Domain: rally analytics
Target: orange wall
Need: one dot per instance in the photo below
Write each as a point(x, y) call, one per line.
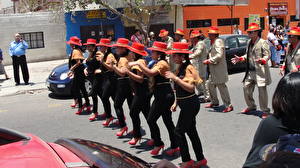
point(219, 12)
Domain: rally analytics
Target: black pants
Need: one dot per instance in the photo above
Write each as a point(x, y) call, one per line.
point(20, 61)
point(78, 88)
point(96, 92)
point(123, 92)
point(187, 124)
point(164, 98)
point(109, 90)
point(139, 103)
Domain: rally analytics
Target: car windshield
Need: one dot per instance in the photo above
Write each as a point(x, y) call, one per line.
point(100, 155)
point(8, 136)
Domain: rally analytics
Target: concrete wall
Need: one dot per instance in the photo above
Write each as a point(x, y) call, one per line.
point(51, 25)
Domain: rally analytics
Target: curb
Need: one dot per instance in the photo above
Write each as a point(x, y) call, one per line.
point(30, 91)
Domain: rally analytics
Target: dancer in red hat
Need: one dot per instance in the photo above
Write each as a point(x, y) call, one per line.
point(164, 98)
point(109, 84)
point(93, 72)
point(186, 79)
point(77, 71)
point(140, 87)
point(123, 87)
point(178, 37)
point(218, 74)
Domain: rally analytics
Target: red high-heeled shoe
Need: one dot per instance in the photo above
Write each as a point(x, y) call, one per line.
point(107, 122)
point(80, 110)
point(189, 164)
point(150, 142)
point(171, 152)
point(200, 163)
point(88, 108)
point(156, 150)
point(74, 105)
point(122, 131)
point(118, 122)
point(102, 115)
point(93, 117)
point(133, 141)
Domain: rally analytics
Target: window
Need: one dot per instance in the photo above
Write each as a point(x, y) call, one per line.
point(198, 23)
point(231, 43)
point(294, 19)
point(243, 40)
point(262, 23)
point(228, 22)
point(34, 39)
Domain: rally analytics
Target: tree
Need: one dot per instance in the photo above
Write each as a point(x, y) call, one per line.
point(139, 9)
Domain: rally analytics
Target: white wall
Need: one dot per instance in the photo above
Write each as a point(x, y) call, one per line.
point(53, 28)
point(5, 3)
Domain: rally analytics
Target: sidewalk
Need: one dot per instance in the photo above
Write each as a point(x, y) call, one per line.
point(38, 72)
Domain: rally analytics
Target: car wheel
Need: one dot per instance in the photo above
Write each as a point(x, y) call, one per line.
point(88, 86)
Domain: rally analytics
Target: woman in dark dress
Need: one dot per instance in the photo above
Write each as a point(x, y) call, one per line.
point(186, 78)
point(163, 99)
point(77, 71)
point(109, 83)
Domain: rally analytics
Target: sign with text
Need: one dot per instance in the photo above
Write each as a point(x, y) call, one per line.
point(96, 14)
point(276, 9)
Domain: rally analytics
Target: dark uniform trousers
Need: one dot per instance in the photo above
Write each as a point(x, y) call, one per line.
point(17, 62)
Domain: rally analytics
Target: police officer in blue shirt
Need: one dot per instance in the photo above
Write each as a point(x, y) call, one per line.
point(17, 50)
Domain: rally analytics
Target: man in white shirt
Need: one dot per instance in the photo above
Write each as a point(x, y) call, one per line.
point(273, 42)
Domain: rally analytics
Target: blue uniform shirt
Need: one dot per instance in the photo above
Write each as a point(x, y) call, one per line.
point(17, 48)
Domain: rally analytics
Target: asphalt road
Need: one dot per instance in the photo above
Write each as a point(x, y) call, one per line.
point(226, 138)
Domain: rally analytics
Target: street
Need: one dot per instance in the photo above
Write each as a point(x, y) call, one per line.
point(226, 138)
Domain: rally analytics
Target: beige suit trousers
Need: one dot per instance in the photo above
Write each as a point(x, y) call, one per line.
point(248, 87)
point(223, 92)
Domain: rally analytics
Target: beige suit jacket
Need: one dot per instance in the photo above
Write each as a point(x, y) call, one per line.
point(218, 66)
point(294, 57)
point(260, 49)
point(198, 56)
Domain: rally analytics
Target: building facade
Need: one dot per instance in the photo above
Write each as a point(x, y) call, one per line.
point(277, 12)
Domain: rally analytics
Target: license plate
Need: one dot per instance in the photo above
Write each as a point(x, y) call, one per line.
point(61, 86)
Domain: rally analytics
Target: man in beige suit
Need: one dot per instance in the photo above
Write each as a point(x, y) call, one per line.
point(292, 59)
point(164, 35)
point(197, 57)
point(257, 70)
point(218, 71)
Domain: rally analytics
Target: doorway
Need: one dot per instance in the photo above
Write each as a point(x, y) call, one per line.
point(96, 32)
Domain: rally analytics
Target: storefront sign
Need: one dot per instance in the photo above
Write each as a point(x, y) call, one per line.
point(96, 14)
point(254, 18)
point(276, 9)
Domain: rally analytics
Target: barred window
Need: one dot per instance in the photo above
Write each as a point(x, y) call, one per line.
point(34, 39)
point(293, 18)
point(228, 22)
point(198, 23)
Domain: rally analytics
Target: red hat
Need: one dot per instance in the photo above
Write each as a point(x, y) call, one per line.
point(138, 48)
point(159, 46)
point(74, 40)
point(121, 42)
point(213, 30)
point(179, 32)
point(179, 47)
point(104, 42)
point(163, 33)
point(253, 27)
point(90, 42)
point(294, 31)
point(195, 33)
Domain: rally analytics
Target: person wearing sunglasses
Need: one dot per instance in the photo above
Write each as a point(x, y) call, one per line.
point(292, 59)
point(257, 70)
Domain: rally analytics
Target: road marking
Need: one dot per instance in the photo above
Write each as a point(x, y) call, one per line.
point(2, 111)
point(54, 105)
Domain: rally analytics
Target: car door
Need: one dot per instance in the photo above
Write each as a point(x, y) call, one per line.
point(231, 46)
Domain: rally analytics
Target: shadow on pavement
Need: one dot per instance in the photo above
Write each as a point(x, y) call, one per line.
point(257, 113)
point(58, 97)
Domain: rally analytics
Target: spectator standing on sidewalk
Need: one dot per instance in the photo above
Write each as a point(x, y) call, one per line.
point(273, 43)
point(236, 30)
point(17, 51)
point(2, 70)
point(257, 70)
